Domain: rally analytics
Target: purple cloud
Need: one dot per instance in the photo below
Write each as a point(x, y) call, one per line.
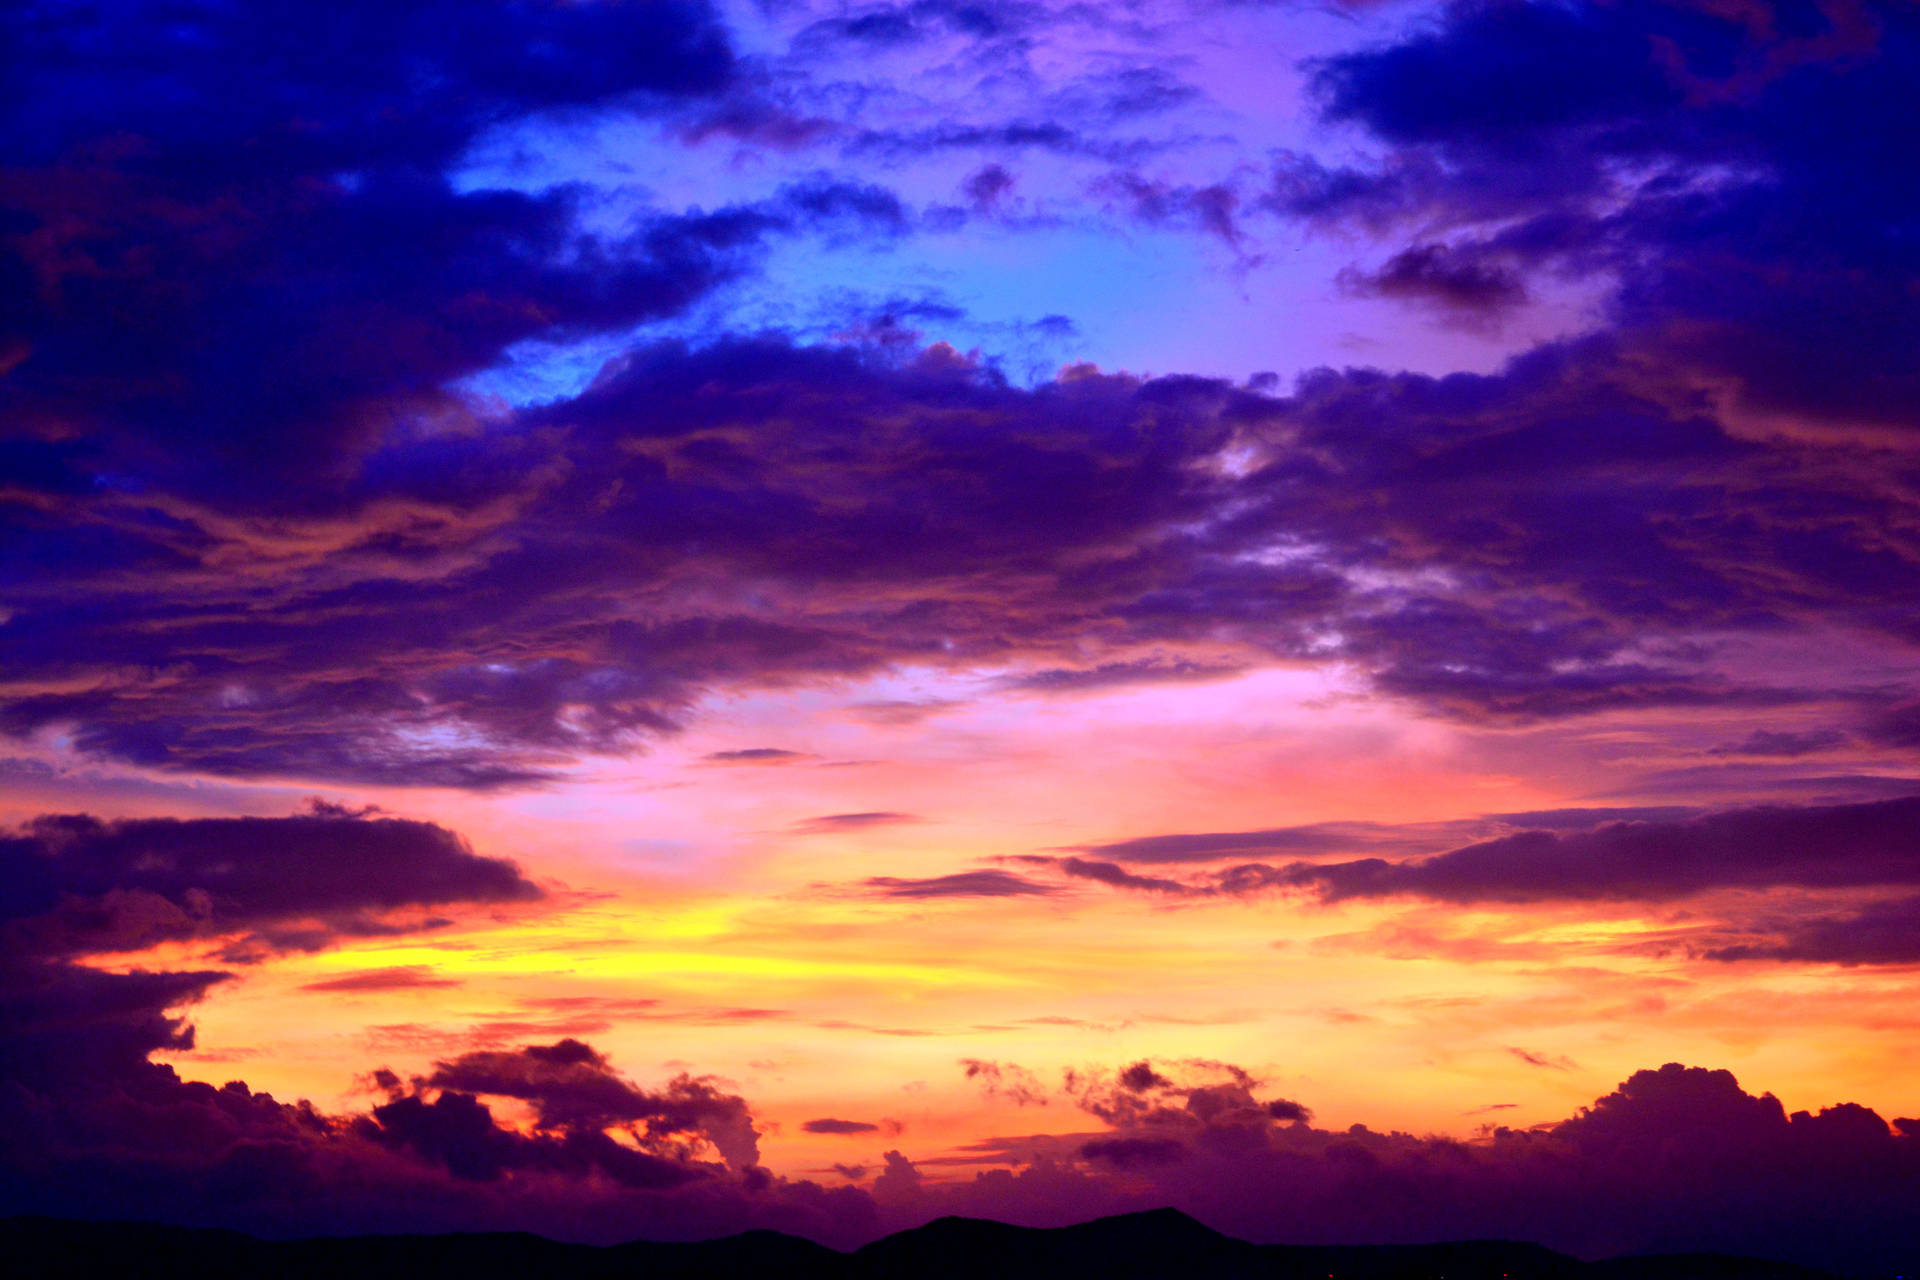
point(961, 884)
point(81, 884)
point(833, 1126)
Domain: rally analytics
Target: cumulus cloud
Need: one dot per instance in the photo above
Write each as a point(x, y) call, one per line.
point(1675, 1159)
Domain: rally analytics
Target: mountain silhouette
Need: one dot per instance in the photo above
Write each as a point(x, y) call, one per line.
point(1160, 1244)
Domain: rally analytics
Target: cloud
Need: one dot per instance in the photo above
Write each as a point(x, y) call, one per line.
point(1463, 283)
point(755, 755)
point(1640, 142)
point(82, 884)
point(1548, 541)
point(79, 886)
point(1656, 858)
point(1880, 933)
point(240, 248)
point(1210, 846)
point(831, 822)
point(1652, 854)
point(1113, 874)
point(1550, 1062)
point(573, 1088)
point(839, 1127)
point(988, 185)
point(961, 884)
point(1213, 208)
point(244, 428)
point(1821, 847)
point(404, 977)
point(1120, 675)
point(1141, 1076)
point(1188, 1098)
point(1128, 1153)
point(921, 20)
point(1006, 1080)
point(1783, 743)
point(458, 1132)
point(66, 1026)
point(1675, 1159)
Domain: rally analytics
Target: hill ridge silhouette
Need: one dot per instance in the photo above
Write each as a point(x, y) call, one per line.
point(1145, 1245)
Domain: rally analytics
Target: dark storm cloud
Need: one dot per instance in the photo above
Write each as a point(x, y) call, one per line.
point(1537, 543)
point(80, 884)
point(232, 250)
point(1685, 150)
point(260, 537)
point(66, 1026)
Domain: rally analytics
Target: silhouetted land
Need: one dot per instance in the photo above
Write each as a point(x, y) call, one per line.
point(1161, 1245)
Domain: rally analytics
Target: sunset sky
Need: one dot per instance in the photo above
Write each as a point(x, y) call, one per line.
point(664, 617)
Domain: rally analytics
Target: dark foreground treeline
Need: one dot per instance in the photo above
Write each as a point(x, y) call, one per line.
point(1161, 1245)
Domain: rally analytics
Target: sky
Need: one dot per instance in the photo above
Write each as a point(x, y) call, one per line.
point(645, 618)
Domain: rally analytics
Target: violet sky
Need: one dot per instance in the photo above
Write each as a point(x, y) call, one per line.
point(655, 617)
